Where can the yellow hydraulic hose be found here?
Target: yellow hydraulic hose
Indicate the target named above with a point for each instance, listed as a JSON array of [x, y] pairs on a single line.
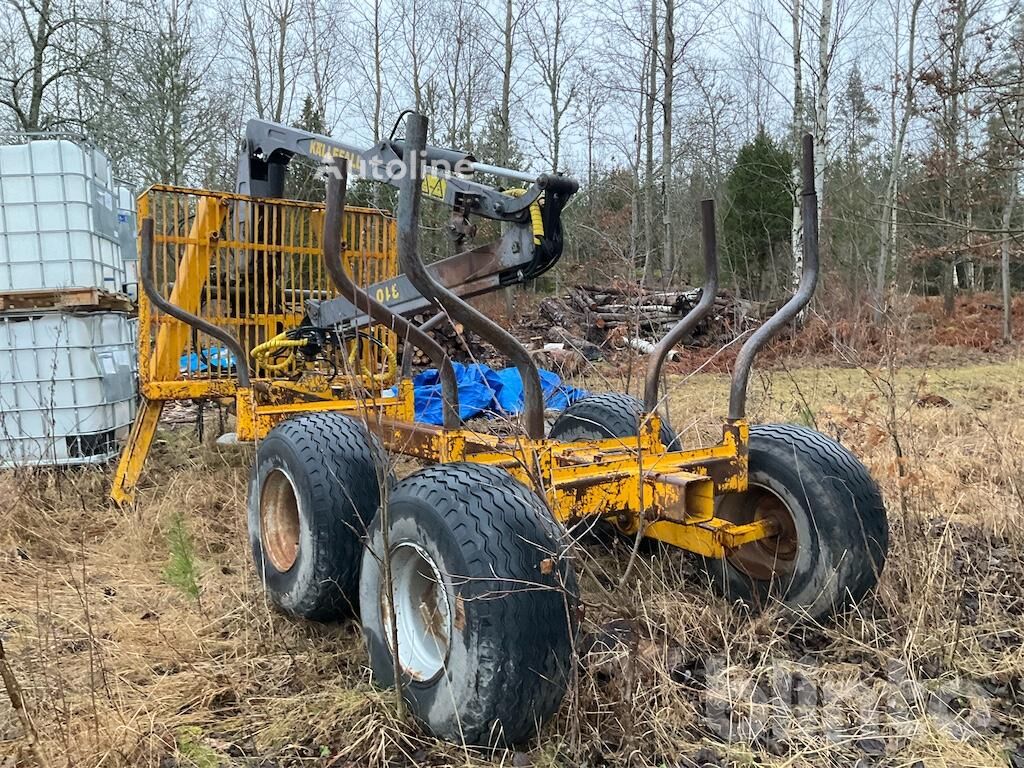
[[263, 353], [536, 219], [380, 379]]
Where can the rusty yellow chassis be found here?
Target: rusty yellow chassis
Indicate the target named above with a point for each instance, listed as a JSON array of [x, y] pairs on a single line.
[[631, 482]]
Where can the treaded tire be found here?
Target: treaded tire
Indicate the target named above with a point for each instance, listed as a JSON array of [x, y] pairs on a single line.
[[610, 414], [511, 593], [839, 517], [333, 465]]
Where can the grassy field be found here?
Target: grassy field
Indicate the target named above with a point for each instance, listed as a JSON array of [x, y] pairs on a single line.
[[141, 638]]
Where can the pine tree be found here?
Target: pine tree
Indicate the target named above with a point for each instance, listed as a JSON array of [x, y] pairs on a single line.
[[858, 115], [759, 210]]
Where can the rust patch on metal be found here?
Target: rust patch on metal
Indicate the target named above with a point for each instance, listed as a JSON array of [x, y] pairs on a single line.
[[460, 613]]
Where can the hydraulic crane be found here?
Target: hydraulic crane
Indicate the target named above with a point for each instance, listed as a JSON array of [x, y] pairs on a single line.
[[236, 283], [530, 243]]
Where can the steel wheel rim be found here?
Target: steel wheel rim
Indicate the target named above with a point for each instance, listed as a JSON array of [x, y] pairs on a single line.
[[767, 559], [279, 520], [423, 616]]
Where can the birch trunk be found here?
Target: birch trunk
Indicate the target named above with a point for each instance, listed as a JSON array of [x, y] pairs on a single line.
[[1004, 253], [649, 98], [821, 120], [887, 224], [666, 138], [378, 85], [506, 89], [797, 233]]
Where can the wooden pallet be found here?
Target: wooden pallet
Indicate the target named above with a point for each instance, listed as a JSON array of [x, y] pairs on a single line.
[[65, 298]]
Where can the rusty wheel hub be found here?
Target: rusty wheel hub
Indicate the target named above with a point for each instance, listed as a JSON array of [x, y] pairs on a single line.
[[279, 520], [770, 558]]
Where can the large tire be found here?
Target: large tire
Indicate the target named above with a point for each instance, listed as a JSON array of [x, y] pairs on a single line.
[[611, 414], [486, 655], [835, 535], [313, 491]]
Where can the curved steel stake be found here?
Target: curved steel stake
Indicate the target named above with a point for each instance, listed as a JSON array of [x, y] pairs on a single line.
[[336, 190], [424, 282], [707, 300], [796, 303]]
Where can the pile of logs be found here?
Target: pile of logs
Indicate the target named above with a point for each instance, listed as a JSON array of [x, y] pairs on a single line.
[[460, 346], [591, 321], [629, 314]]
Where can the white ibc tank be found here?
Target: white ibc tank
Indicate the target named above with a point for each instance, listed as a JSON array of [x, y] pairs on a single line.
[[127, 232], [67, 387], [58, 218]]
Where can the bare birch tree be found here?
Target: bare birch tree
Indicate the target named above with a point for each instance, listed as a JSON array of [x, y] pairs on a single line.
[[797, 131], [821, 119], [555, 45], [267, 35], [902, 102]]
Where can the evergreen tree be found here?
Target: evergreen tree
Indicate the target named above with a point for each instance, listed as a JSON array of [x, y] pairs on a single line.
[[857, 115], [759, 213], [489, 147]]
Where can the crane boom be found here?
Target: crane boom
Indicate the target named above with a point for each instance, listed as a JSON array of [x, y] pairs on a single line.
[[530, 244]]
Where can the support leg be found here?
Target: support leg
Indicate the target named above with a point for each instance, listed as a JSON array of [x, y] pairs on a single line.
[[133, 455]]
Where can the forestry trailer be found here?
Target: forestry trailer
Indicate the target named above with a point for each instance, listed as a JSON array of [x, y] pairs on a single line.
[[463, 573]]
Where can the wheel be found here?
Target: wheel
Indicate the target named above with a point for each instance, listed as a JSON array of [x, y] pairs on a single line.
[[611, 414], [485, 604], [833, 534], [313, 490]]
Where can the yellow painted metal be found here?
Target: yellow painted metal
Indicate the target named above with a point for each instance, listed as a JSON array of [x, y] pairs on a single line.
[[248, 266], [133, 456], [249, 424], [632, 482], [189, 389], [711, 538], [255, 418], [190, 277]]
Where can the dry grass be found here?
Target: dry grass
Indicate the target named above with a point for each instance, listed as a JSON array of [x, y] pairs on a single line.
[[122, 667]]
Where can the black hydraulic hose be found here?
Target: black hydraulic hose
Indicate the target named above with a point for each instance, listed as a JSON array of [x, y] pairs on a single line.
[[707, 300], [336, 190], [229, 341], [799, 300], [473, 320]]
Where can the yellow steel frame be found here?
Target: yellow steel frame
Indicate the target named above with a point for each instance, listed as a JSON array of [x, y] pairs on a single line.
[[633, 482], [246, 266]]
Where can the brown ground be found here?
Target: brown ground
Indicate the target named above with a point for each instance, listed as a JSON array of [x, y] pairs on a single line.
[[122, 666]]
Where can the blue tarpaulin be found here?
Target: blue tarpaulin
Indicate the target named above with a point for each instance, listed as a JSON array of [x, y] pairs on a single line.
[[482, 390], [210, 359]]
